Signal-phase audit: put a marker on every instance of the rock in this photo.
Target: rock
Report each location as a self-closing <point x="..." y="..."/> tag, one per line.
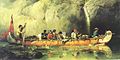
<point x="63" y="15"/>
<point x="103" y="14"/>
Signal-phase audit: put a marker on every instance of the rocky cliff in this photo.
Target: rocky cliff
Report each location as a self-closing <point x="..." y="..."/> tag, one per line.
<point x="62" y="15"/>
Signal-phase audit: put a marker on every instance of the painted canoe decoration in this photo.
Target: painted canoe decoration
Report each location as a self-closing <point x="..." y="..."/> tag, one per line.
<point x="106" y="39"/>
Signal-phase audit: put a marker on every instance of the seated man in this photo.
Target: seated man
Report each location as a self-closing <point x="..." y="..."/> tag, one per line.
<point x="54" y="34"/>
<point x="50" y="35"/>
<point x="44" y="34"/>
<point x="74" y="34"/>
<point x="60" y="35"/>
<point x="39" y="36"/>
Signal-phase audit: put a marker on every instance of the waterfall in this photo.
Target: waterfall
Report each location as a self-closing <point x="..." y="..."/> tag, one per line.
<point x="87" y="20"/>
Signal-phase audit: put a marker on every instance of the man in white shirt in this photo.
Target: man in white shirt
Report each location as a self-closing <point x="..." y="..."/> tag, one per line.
<point x="74" y="34"/>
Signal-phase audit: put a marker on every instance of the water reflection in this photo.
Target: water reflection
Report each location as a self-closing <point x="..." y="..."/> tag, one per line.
<point x="79" y="52"/>
<point x="91" y="52"/>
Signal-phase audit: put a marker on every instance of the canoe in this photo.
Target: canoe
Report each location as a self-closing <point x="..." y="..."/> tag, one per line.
<point x="84" y="42"/>
<point x="87" y="42"/>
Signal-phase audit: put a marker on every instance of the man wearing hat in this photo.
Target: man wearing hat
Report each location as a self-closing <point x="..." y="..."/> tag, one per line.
<point x="95" y="33"/>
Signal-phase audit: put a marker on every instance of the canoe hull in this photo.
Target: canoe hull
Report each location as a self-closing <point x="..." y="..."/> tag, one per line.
<point x="60" y="43"/>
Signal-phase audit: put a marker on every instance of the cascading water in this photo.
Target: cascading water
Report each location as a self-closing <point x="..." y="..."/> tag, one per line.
<point x="87" y="19"/>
